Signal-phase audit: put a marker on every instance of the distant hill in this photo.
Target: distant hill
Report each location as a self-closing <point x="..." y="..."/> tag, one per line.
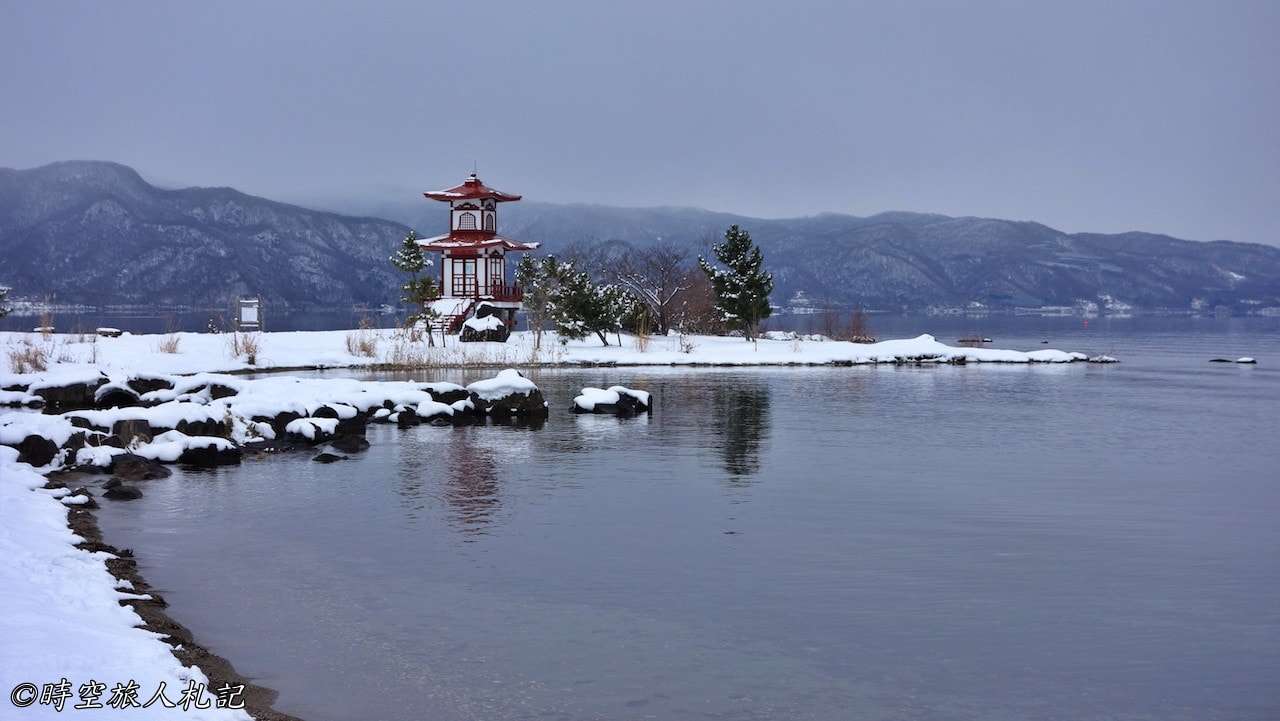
<point x="97" y="233"/>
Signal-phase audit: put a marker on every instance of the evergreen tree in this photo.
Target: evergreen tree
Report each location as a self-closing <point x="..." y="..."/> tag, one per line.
<point x="742" y="290"/>
<point x="580" y="307"/>
<point x="539" y="280"/>
<point x="4" y="304"/>
<point x="418" y="291"/>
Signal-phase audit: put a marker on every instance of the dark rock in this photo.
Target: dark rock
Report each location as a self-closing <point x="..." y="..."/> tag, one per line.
<point x="111" y="483"/>
<point x="408" y="417"/>
<point x="210" y="456"/>
<point x="515" y="404"/>
<point x="79" y="422"/>
<point x="217" y="429"/>
<point x="30" y="402"/>
<point x="448" y="396"/>
<point x="116" y="396"/>
<point x="147" y="384"/>
<point x="76" y="396"/>
<point x="1221" y="360"/>
<point x="130" y="467"/>
<point x="498" y="334"/>
<point x="349" y="443"/>
<point x="36" y="450"/>
<point x="328" y="458"/>
<point x="129" y="430"/>
<point x="278" y="422"/>
<point x="353" y="426"/>
<point x="122" y="493"/>
<point x="217" y="390"/>
<point x="110" y="440"/>
<point x="75" y="442"/>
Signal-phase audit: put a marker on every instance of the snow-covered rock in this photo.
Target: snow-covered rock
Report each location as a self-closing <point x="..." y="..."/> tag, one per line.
<point x="508" y="394"/>
<point x="615" y="399"/>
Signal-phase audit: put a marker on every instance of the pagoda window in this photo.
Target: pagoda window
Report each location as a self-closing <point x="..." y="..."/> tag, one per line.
<point x="464" y="276"/>
<point x="488" y="221"/>
<point x="467" y="221"/>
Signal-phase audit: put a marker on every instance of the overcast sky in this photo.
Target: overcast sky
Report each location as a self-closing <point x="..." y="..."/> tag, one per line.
<point x="1106" y="116"/>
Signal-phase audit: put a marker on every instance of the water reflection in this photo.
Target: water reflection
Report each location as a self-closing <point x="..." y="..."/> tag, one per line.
<point x="742" y="411"/>
<point x="471" y="486"/>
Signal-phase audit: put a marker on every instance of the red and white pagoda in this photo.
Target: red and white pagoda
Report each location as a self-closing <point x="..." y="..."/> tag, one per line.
<point x="473" y="257"/>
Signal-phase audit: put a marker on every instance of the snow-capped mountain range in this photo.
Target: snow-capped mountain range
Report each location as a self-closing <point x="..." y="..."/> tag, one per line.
<point x="97" y="233"/>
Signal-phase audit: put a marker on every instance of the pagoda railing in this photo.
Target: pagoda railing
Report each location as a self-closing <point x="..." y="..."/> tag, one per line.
<point x="501" y="292"/>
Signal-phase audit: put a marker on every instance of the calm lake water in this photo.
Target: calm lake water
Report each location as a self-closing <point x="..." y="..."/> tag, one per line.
<point x="980" y="542"/>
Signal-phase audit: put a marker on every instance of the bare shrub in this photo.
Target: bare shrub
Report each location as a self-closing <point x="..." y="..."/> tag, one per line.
<point x="686" y="343"/>
<point x="28" y="357"/>
<point x="245" y="344"/>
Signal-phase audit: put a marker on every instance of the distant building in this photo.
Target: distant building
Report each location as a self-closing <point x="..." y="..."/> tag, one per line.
<point x="473" y="257"/>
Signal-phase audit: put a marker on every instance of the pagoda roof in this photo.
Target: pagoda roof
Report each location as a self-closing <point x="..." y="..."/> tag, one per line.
<point x="449" y="241"/>
<point x="471" y="189"/>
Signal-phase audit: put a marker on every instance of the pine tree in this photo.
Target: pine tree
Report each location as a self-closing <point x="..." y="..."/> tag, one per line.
<point x="742" y="291"/>
<point x="579" y="307"/>
<point x="409" y="258"/>
<point x="418" y="291"/>
<point x="4" y="304"/>
<point x="539" y="280"/>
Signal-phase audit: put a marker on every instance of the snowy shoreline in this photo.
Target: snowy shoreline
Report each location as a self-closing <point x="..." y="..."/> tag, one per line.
<point x="386" y="349"/>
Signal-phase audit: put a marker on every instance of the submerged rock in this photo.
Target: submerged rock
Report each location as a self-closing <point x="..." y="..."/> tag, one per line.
<point x="130" y="467"/>
<point x="122" y="493"/>
<point x="329" y="458"/>
<point x="349" y="443"/>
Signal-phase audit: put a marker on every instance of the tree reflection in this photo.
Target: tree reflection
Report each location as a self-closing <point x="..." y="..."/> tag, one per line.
<point x="742" y="410"/>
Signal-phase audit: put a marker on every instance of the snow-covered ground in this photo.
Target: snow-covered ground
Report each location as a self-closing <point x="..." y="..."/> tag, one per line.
<point x="60" y="616"/>
<point x="205" y="352"/>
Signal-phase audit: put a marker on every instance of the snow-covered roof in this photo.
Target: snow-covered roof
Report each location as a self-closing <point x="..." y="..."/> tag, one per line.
<point x="442" y="242"/>
<point x="471" y="189"/>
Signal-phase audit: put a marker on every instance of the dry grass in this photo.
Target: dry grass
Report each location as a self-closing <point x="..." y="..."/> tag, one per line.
<point x="46" y="324"/>
<point x="28" y="357"/>
<point x="363" y="341"/>
<point x="169" y="344"/>
<point x="245" y="344"/>
<point x="641" y="333"/>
